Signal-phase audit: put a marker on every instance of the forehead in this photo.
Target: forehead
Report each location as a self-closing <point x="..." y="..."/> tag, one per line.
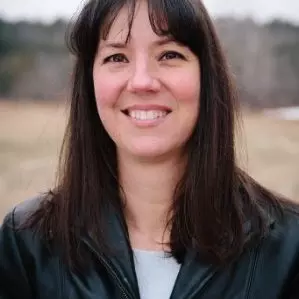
<point x="133" y="24"/>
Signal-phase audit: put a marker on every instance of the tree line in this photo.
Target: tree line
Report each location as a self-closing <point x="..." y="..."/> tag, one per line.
<point x="264" y="59"/>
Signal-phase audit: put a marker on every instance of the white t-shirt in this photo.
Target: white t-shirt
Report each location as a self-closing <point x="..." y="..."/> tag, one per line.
<point x="156" y="273"/>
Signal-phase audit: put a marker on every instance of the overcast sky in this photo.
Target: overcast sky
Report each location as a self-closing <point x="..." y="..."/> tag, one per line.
<point x="48" y="10"/>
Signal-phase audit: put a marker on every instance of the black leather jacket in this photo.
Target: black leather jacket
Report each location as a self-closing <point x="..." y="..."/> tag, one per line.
<point x="28" y="269"/>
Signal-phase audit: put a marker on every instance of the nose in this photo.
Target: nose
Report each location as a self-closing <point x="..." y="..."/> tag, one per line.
<point x="143" y="78"/>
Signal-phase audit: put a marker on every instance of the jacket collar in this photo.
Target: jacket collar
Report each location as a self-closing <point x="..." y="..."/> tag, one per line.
<point x="194" y="275"/>
<point x="122" y="260"/>
<point x="196" y="272"/>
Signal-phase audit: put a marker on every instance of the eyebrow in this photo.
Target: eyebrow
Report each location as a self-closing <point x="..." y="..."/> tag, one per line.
<point x="122" y="45"/>
<point x="165" y="41"/>
<point x="117" y="45"/>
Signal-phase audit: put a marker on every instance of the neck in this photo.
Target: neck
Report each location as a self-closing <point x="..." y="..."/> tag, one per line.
<point x="148" y="194"/>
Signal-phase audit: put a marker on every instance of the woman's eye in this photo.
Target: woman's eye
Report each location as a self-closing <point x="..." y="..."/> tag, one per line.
<point x="172" y="55"/>
<point x="116" y="58"/>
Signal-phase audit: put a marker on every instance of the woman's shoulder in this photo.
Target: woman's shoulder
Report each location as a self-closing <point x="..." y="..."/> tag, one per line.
<point x="16" y="227"/>
<point x="285" y="225"/>
<point x="21" y="212"/>
<point x="289" y="219"/>
<point x="22" y="250"/>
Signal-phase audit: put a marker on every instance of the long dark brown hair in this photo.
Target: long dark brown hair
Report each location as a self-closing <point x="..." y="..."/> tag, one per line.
<point x="214" y="199"/>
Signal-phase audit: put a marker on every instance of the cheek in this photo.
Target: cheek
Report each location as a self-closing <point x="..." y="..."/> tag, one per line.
<point x="186" y="87"/>
<point x="105" y="94"/>
<point x="107" y="89"/>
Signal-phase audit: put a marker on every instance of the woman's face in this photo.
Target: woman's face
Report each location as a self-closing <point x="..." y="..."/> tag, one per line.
<point x="147" y="90"/>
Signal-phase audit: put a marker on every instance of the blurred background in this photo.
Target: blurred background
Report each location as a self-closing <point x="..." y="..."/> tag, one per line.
<point x="260" y="38"/>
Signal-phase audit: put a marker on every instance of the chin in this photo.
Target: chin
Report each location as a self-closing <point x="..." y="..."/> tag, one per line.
<point x="150" y="152"/>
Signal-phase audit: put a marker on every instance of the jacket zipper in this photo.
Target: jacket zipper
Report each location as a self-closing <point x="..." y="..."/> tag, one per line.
<point x="111" y="272"/>
<point x="62" y="281"/>
<point x="118" y="281"/>
<point x="256" y="255"/>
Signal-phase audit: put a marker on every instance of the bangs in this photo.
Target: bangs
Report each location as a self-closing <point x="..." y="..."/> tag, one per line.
<point x="174" y="18"/>
<point x="182" y="20"/>
<point x="178" y="19"/>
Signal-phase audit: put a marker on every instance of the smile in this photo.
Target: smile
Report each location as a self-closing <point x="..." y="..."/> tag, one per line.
<point x="146" y="114"/>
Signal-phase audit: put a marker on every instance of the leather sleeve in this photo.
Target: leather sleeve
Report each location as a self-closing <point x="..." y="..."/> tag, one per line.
<point x="14" y="279"/>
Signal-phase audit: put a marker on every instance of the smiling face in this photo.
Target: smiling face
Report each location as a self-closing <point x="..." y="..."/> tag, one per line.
<point x="147" y="89"/>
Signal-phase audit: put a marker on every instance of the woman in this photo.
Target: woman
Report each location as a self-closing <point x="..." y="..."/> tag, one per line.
<point x="150" y="202"/>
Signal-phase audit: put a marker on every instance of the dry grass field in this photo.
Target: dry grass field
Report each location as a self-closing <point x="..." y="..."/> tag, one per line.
<point x="31" y="133"/>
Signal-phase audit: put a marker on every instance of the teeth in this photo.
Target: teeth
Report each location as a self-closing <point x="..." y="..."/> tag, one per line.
<point x="147" y="115"/>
